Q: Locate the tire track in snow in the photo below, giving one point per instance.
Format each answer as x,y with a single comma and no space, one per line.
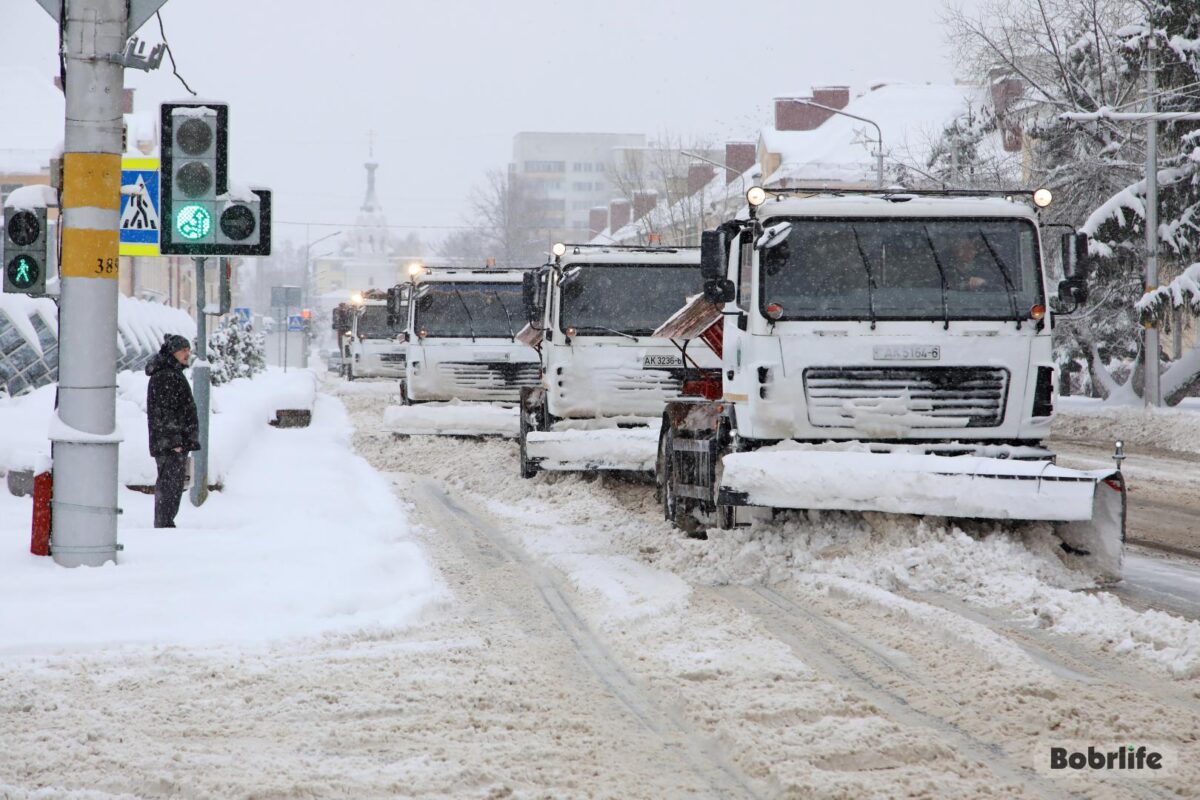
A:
700,755
1063,655
913,692
861,666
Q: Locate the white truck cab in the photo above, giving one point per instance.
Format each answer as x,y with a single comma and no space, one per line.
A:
462,337
376,347
594,310
882,351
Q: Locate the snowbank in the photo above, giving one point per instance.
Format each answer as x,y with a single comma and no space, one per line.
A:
241,410
295,545
454,418
1091,419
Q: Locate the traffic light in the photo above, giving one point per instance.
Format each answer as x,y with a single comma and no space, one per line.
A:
244,224
24,250
194,164
202,215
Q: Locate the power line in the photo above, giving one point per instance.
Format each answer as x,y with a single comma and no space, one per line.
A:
171,54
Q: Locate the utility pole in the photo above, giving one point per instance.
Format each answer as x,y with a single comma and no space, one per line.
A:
84,437
201,376
1152,391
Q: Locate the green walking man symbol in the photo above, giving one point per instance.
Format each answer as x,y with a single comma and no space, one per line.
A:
22,272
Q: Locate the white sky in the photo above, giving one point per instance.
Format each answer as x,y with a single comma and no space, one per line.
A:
446,84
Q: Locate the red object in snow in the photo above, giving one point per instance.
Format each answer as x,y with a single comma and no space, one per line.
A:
714,336
43,491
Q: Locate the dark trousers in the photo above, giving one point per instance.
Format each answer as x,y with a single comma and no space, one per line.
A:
172,474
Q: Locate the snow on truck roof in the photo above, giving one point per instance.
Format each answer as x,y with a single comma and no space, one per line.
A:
631,255
896,205
472,276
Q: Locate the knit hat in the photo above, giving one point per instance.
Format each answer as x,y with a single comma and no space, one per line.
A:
173,343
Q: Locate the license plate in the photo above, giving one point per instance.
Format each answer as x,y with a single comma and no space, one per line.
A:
907,352
659,361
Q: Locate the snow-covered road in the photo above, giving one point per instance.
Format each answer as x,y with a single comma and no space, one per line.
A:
836,655
584,648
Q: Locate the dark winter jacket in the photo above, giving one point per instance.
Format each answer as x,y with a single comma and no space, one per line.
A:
170,409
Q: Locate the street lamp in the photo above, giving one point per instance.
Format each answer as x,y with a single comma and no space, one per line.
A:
308,257
878,136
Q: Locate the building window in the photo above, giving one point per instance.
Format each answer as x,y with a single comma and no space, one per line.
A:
545,166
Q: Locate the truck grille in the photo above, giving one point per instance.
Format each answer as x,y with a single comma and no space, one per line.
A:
491,375
663,383
392,358
837,395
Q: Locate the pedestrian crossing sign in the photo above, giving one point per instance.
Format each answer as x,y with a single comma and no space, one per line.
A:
140,207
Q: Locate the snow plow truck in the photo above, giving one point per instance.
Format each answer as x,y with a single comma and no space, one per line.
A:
605,378
882,351
374,347
462,337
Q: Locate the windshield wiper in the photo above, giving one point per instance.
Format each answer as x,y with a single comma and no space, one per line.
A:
507,316
610,330
942,274
1008,283
870,278
470,319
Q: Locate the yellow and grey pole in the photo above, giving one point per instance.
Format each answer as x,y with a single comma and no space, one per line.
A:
84,437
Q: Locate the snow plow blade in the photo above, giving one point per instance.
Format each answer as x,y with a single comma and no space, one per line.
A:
453,419
618,449
1087,506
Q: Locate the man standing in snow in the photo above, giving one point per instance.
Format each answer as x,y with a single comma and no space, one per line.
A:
174,425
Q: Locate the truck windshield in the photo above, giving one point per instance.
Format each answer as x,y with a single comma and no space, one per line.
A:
472,310
372,323
633,299
913,268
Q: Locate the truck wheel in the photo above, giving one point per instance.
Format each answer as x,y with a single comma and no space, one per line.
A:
724,515
660,464
678,509
350,372
529,415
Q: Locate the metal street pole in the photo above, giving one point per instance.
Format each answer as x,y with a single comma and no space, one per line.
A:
1152,392
84,437
201,381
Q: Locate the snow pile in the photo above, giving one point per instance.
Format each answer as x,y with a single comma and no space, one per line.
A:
454,418
294,546
241,410
1021,573
634,449
1087,419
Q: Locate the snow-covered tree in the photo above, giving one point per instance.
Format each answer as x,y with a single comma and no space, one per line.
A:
235,350
1083,56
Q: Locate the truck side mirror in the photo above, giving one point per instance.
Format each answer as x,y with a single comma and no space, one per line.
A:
395,301
529,296
719,291
1075,254
1073,292
712,256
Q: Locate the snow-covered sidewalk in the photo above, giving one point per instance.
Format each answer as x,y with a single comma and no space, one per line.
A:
305,538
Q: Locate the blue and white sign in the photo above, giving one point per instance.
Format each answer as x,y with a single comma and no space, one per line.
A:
140,207
295,322
243,314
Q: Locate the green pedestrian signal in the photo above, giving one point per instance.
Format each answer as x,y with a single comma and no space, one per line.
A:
24,250
193,222
23,272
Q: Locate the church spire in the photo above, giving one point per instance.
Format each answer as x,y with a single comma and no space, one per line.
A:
370,239
370,203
